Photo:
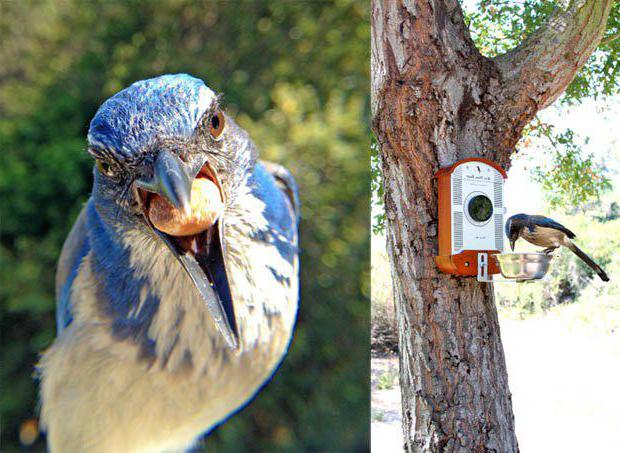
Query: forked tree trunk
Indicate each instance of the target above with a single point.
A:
(435, 100)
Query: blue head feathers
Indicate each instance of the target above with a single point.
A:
(147, 112)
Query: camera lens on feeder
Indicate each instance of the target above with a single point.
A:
(480, 208)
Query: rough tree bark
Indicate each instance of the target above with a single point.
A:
(435, 100)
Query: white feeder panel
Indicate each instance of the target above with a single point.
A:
(468, 180)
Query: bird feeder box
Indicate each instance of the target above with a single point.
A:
(471, 216)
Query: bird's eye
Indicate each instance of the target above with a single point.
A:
(217, 124)
(106, 169)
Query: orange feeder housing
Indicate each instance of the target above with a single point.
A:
(471, 215)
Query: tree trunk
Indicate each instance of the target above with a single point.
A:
(435, 100)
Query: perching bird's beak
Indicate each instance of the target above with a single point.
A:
(201, 255)
(170, 180)
(512, 244)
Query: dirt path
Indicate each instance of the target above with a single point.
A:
(385, 433)
(565, 383)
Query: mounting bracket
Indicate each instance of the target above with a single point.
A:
(483, 272)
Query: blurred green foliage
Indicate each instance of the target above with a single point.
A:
(295, 74)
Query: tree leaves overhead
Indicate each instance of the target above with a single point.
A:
(497, 26)
(572, 178)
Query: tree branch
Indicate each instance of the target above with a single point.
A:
(609, 39)
(538, 71)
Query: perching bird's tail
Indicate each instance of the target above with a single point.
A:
(589, 261)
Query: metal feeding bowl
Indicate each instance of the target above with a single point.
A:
(524, 266)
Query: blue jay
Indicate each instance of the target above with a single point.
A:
(545, 232)
(163, 336)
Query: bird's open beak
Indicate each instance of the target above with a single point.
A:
(202, 255)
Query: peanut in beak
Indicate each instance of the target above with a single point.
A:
(206, 207)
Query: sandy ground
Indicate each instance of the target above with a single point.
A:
(386, 434)
(565, 383)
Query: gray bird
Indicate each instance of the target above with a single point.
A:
(545, 232)
(162, 336)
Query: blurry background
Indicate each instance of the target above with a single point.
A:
(295, 75)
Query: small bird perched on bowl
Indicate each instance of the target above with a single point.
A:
(177, 287)
(545, 232)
